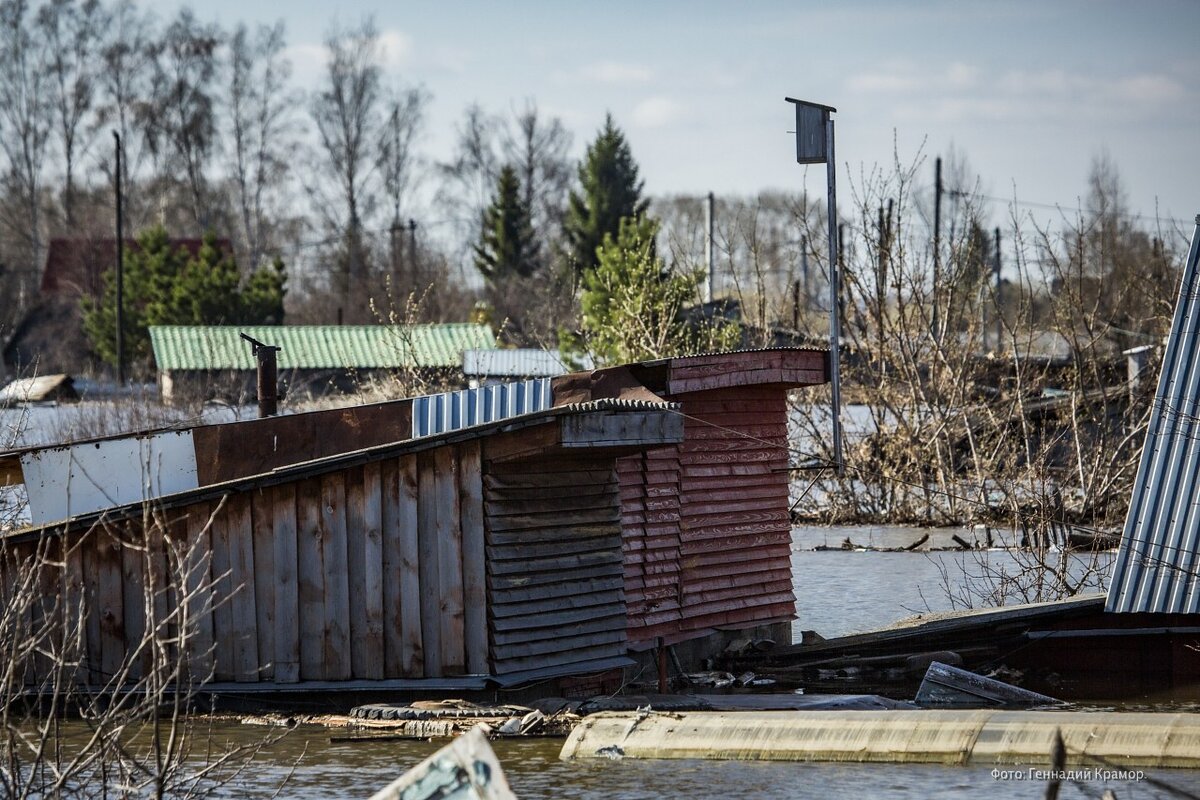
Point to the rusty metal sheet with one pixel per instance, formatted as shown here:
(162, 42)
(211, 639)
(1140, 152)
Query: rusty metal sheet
(253, 447)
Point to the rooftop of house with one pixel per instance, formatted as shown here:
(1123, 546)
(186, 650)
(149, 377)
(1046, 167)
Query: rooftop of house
(219, 347)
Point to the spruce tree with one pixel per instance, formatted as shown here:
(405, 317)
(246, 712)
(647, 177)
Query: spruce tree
(165, 285)
(507, 247)
(609, 191)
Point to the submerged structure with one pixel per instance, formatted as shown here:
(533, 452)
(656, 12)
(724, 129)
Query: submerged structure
(483, 538)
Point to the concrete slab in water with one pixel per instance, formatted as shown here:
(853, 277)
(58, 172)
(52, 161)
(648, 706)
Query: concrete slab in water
(899, 736)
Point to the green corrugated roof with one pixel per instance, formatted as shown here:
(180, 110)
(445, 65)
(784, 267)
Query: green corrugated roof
(213, 347)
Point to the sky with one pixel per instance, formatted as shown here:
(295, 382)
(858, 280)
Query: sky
(1029, 93)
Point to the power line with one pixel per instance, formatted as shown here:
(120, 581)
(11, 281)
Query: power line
(1064, 207)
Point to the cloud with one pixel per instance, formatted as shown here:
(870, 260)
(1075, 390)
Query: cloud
(615, 72)
(397, 47)
(960, 91)
(1152, 89)
(657, 112)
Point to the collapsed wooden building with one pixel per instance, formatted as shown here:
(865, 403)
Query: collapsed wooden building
(483, 538)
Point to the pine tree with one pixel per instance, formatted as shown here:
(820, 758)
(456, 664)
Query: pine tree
(632, 305)
(609, 192)
(164, 285)
(507, 247)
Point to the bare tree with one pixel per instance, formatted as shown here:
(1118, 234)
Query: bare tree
(180, 118)
(398, 164)
(469, 178)
(139, 732)
(124, 91)
(538, 149)
(73, 33)
(347, 114)
(24, 131)
(260, 106)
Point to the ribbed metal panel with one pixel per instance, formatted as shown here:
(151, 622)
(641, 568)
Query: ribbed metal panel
(217, 347)
(450, 411)
(707, 534)
(1156, 567)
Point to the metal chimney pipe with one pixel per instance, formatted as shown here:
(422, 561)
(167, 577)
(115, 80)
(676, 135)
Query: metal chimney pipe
(268, 376)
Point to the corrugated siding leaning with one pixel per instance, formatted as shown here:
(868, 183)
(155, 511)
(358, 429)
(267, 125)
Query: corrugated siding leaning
(1157, 566)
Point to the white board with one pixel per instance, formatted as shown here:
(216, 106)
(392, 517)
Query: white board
(78, 479)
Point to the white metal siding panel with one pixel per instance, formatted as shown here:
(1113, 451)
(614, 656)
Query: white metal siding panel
(450, 411)
(66, 481)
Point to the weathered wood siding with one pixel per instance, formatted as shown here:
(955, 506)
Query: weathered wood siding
(554, 567)
(321, 579)
(707, 531)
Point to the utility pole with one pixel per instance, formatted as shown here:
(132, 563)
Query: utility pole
(814, 145)
(708, 248)
(999, 317)
(120, 269)
(412, 255)
(804, 272)
(394, 246)
(937, 241)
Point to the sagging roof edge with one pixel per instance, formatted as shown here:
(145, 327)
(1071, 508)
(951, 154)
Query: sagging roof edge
(319, 466)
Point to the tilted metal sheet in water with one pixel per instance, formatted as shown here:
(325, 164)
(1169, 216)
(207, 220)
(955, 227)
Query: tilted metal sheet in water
(450, 411)
(1156, 567)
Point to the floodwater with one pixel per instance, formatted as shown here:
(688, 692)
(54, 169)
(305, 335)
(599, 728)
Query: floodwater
(839, 592)
(315, 768)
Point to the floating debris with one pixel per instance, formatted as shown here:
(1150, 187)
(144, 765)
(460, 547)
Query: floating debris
(465, 769)
(945, 685)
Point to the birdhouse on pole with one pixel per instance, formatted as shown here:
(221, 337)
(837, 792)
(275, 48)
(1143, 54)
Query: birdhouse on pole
(812, 122)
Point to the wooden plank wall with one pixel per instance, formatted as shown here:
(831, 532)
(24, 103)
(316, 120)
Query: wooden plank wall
(554, 566)
(366, 573)
(707, 530)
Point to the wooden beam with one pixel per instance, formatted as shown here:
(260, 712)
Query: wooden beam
(287, 610)
(198, 580)
(450, 559)
(242, 602)
(310, 579)
(337, 583)
(523, 443)
(475, 635)
(429, 563)
(262, 510)
(223, 638)
(413, 653)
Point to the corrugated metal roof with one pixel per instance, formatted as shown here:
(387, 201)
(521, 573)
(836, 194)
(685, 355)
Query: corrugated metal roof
(450, 411)
(1157, 566)
(518, 363)
(214, 347)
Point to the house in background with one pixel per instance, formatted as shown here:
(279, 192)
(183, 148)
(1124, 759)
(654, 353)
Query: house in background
(50, 337)
(202, 361)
